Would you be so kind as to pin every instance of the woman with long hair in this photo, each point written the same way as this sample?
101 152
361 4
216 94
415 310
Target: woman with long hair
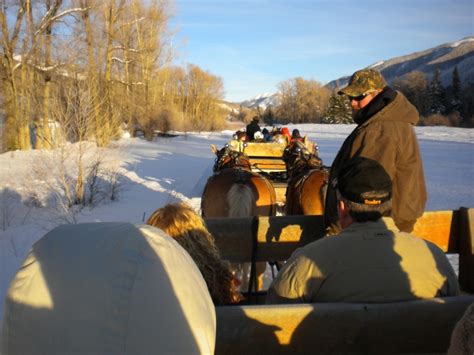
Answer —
183 224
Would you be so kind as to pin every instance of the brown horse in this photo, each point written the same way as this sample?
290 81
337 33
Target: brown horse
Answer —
306 190
246 193
235 191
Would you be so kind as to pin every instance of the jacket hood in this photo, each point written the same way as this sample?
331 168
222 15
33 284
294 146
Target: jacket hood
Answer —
108 288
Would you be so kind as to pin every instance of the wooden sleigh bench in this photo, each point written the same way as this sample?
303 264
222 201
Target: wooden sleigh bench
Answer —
422 326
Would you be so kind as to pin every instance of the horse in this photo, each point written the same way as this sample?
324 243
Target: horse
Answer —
229 157
235 191
308 178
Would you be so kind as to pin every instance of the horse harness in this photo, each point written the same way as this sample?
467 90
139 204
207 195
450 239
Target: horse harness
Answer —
228 158
304 161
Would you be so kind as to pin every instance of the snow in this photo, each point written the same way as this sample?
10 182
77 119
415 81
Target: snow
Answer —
176 169
262 96
464 40
380 62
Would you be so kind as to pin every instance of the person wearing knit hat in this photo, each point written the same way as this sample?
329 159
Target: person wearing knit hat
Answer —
368 261
385 132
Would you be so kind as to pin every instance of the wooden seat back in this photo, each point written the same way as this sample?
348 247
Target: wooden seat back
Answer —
422 326
266 157
275 238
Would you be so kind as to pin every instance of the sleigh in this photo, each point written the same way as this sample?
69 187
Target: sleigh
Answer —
421 326
266 159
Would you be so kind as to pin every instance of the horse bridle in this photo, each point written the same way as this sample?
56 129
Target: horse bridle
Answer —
301 154
228 156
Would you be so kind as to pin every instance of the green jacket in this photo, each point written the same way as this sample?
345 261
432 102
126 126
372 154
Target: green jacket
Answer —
389 138
366 262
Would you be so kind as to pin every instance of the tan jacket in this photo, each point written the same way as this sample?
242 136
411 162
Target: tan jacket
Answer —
389 138
366 262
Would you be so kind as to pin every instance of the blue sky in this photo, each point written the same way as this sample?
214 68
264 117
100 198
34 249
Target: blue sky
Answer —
254 45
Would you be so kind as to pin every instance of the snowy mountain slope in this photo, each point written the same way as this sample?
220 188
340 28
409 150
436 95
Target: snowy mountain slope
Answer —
262 101
445 57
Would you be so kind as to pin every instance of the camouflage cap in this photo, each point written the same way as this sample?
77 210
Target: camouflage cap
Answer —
363 82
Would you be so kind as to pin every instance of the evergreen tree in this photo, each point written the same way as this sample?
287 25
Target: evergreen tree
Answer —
339 110
456 103
414 86
436 94
268 116
467 99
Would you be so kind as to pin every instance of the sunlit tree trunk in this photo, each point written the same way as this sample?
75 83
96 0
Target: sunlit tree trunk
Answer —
44 139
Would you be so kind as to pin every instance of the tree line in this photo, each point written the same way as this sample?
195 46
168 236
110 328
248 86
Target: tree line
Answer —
90 68
75 70
438 105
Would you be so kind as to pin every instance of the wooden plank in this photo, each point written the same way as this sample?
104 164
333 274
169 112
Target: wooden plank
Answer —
268 161
438 227
268 164
278 236
422 326
466 249
233 237
265 149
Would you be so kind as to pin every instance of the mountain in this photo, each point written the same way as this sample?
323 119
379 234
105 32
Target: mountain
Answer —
445 57
262 101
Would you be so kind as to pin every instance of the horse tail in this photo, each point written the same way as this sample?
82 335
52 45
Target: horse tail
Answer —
240 200
324 188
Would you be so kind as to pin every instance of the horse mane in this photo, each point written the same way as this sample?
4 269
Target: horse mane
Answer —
240 200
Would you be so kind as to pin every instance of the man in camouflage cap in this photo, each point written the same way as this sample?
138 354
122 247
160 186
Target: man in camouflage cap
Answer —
385 133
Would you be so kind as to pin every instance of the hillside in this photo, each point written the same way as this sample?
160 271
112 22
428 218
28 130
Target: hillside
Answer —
262 101
445 57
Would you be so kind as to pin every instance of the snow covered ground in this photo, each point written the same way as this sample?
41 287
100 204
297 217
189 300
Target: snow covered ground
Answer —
176 169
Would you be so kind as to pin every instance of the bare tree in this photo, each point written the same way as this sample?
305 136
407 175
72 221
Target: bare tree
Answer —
302 101
21 39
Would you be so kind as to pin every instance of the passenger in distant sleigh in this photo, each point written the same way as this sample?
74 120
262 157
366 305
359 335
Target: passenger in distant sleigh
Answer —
239 139
252 128
281 135
296 136
258 137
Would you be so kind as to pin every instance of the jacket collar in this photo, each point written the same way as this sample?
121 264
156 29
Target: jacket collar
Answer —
357 226
377 104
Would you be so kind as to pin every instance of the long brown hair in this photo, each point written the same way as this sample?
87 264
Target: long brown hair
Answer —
182 223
